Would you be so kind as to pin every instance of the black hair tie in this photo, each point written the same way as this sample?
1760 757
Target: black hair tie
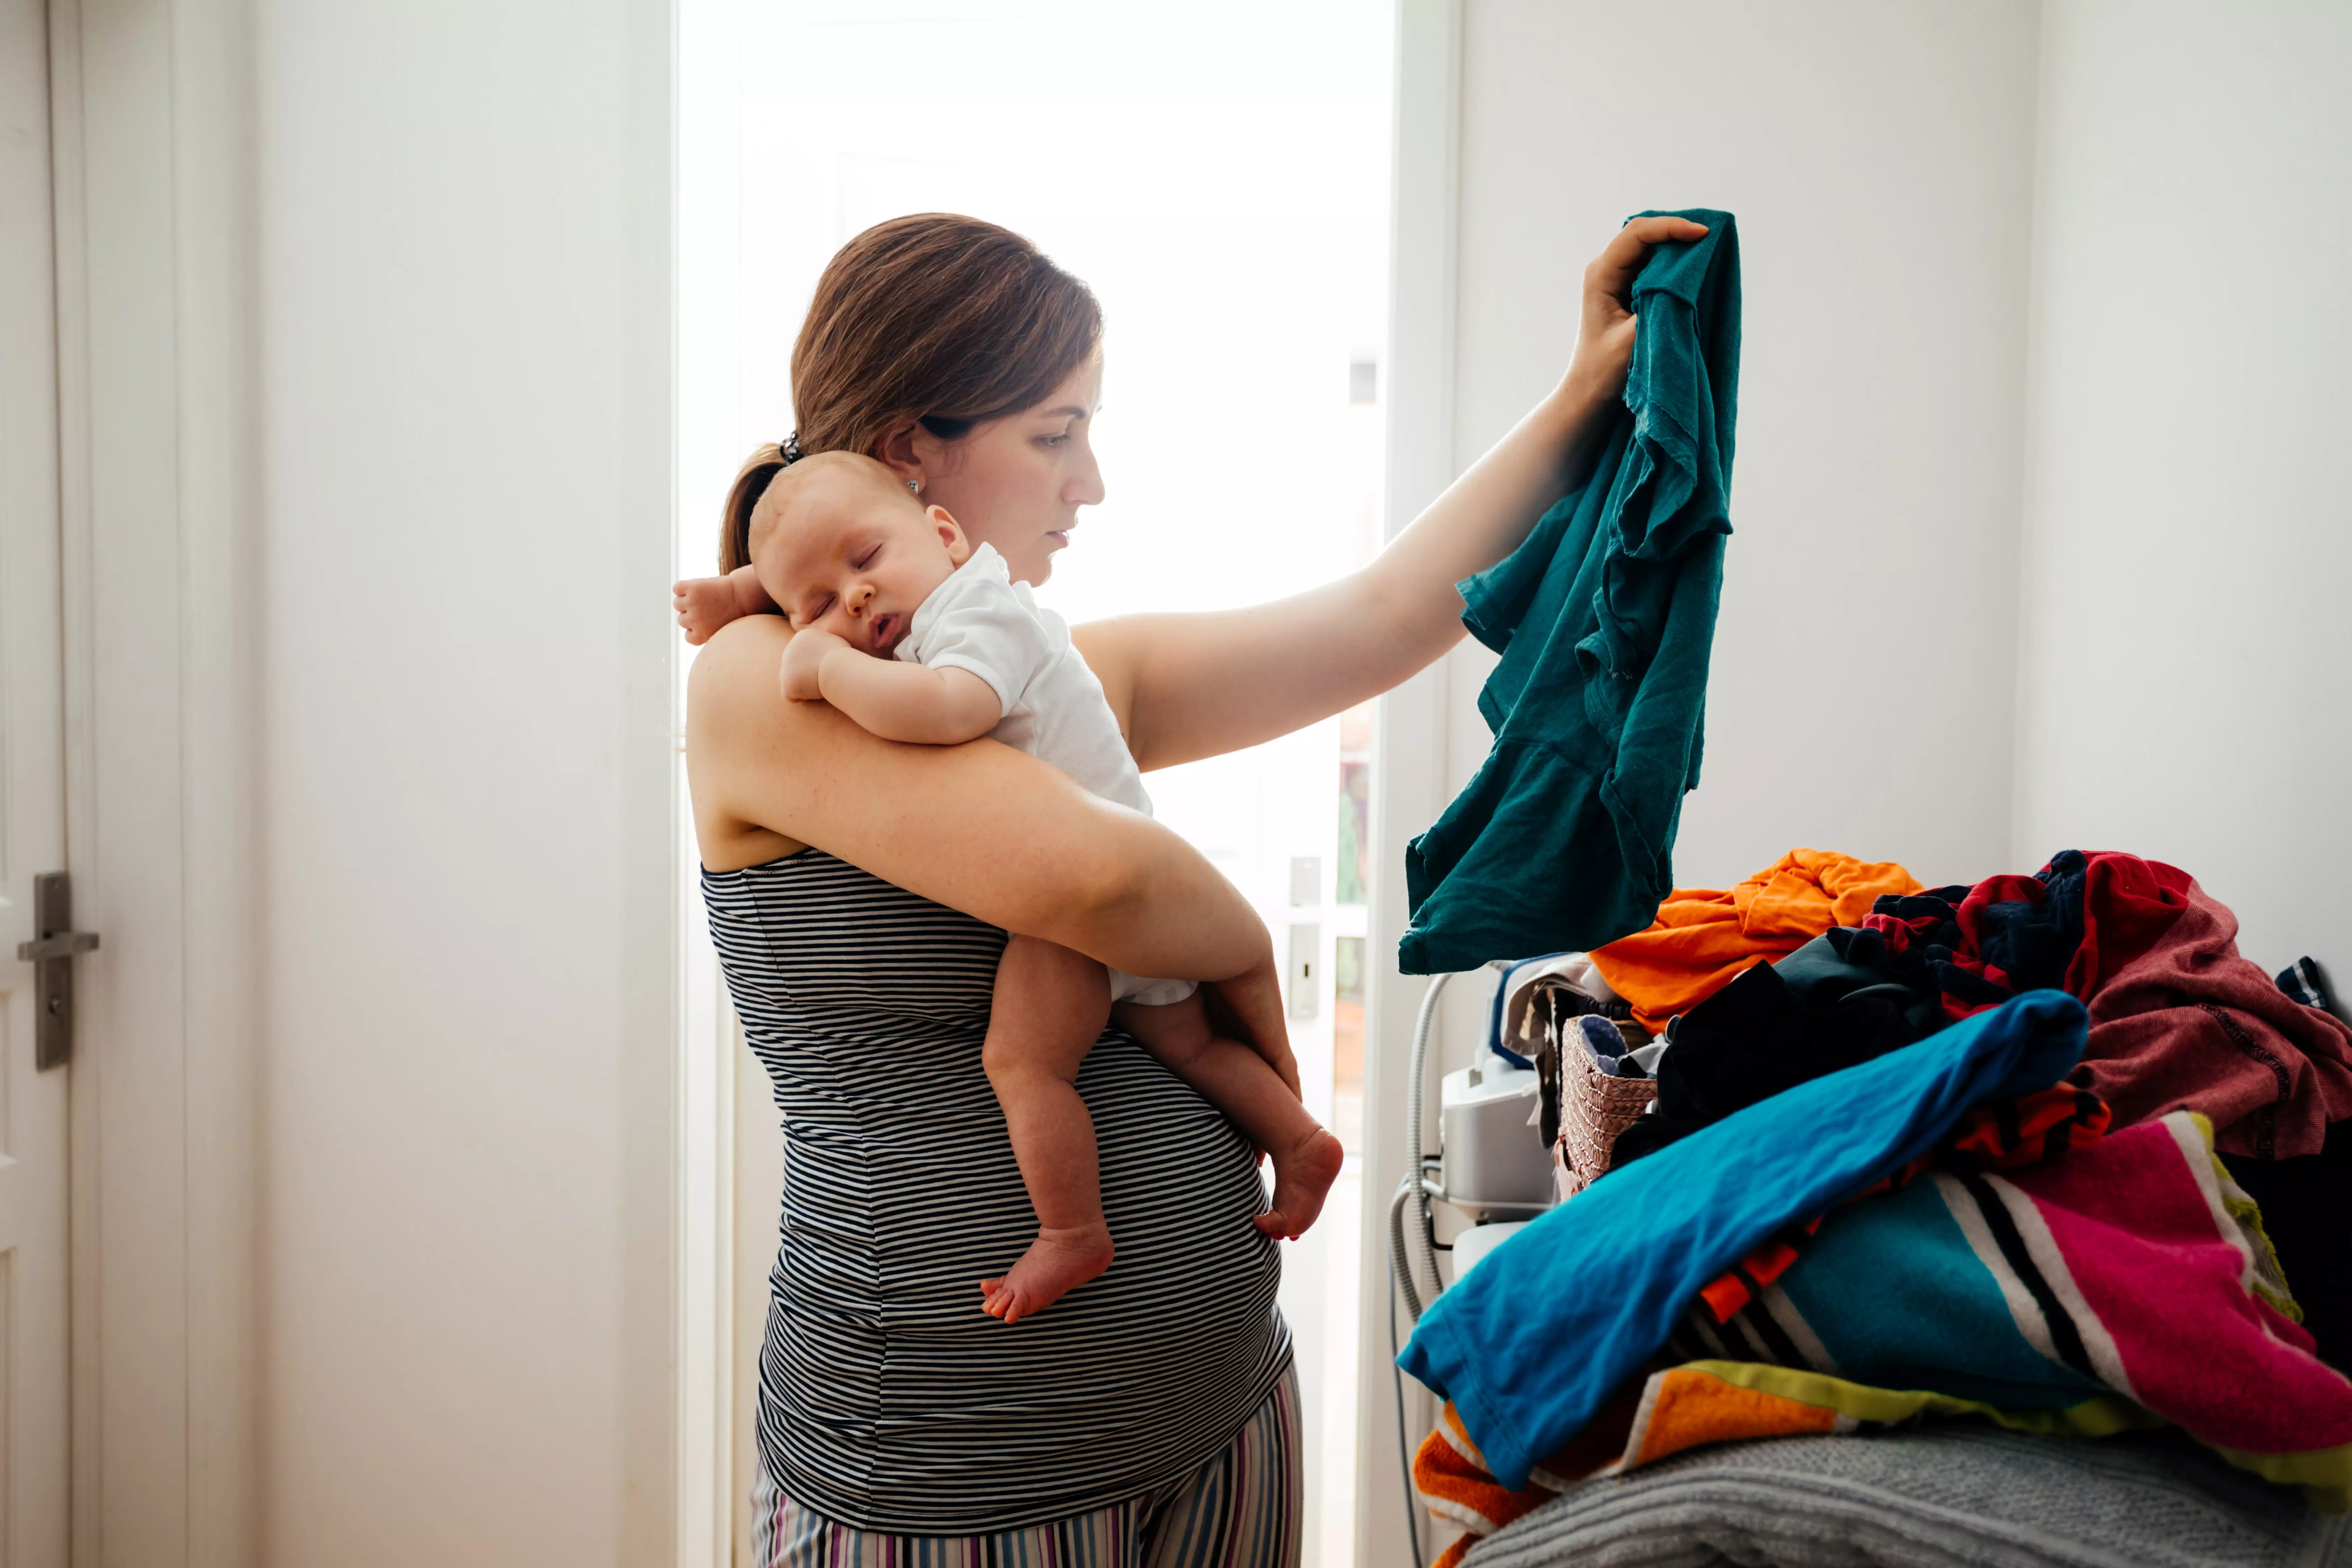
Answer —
789 449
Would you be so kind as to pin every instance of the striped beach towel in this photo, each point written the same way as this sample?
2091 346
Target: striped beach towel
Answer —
2126 1285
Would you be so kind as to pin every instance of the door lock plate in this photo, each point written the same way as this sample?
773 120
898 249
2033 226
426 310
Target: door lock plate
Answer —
51 954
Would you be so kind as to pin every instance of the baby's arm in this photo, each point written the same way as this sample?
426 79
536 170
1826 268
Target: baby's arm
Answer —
705 603
887 697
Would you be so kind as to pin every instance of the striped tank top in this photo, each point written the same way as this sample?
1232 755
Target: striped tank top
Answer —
888 1399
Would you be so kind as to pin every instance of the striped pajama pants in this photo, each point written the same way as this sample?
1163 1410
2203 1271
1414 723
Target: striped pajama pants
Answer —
1241 1510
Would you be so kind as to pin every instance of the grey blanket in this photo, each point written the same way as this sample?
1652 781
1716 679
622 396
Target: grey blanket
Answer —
1956 1497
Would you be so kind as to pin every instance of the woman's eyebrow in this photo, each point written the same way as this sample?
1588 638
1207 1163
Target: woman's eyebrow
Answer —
1068 410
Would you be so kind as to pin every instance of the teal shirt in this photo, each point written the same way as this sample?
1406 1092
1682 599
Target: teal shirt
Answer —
1605 618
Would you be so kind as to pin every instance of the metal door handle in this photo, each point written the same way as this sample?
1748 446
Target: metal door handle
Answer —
52 955
64 944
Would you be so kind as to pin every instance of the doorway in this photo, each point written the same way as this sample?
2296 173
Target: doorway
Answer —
35 1331
1219 174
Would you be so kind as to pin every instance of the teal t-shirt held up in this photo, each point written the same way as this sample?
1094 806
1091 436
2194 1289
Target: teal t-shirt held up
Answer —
1605 618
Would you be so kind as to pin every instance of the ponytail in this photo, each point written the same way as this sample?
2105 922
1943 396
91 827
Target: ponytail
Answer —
751 481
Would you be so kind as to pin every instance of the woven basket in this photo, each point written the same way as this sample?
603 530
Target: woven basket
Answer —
1594 1107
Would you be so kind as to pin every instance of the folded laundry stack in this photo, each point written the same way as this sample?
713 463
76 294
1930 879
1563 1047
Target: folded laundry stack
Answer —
2044 1152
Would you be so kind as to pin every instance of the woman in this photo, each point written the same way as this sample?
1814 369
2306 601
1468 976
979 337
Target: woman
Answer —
859 892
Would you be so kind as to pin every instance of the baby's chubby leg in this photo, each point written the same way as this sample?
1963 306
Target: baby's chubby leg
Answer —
1241 1083
1050 1005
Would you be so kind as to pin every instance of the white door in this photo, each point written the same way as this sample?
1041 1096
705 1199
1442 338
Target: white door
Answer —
33 1325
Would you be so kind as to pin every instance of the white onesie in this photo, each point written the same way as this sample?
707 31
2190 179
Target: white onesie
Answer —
980 619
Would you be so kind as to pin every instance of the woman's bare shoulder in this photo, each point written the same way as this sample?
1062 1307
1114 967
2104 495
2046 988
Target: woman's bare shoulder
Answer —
738 662
742 739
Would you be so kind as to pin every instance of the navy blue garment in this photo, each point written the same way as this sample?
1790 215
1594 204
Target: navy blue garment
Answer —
2032 942
1605 618
2307 983
1533 1342
1777 1025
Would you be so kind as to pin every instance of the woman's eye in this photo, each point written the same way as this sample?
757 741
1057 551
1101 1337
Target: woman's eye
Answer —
1050 440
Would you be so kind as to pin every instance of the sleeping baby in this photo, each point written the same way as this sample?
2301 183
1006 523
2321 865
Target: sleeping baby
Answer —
917 635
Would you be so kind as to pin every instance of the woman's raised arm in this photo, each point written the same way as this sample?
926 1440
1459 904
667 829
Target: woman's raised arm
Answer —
980 827
1191 685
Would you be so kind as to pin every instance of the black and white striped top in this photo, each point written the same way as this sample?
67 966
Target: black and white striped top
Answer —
888 1399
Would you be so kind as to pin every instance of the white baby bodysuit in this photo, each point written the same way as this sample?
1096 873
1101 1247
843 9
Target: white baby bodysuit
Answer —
982 621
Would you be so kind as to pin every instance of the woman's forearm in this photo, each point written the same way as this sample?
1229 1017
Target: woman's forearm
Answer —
1194 686
1057 863
1201 685
1485 515
1162 909
979 828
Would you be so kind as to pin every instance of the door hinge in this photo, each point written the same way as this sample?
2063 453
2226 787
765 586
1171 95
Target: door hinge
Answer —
51 954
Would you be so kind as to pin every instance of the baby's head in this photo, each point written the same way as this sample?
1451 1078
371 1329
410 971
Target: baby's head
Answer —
841 545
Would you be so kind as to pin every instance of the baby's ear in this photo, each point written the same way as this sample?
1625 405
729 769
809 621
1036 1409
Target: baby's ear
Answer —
950 534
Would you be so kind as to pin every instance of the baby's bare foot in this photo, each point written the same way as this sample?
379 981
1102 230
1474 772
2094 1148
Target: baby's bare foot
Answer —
1056 1263
1303 1174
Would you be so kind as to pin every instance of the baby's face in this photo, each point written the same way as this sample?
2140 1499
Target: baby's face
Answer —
850 561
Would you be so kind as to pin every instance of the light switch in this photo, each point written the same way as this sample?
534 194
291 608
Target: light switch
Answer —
1306 985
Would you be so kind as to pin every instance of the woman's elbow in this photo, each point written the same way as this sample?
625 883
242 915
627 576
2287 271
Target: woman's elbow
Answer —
1094 891
1107 891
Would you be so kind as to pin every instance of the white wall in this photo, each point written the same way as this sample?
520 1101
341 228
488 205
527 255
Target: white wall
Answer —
1879 159
2042 394
2154 659
467 943
2187 627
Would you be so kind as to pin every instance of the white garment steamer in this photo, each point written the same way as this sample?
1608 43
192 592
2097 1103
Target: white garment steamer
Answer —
1491 1164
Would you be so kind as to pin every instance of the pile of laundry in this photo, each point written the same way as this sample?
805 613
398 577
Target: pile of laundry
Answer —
1839 1153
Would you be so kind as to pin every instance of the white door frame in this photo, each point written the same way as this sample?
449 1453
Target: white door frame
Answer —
152 137
35 1326
1410 778
156 158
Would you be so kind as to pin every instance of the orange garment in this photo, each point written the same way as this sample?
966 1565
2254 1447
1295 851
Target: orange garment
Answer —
1702 1402
1701 938
1666 1414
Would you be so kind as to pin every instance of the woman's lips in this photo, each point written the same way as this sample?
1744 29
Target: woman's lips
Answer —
1060 536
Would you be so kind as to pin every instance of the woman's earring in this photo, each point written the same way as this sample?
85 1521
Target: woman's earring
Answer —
916 486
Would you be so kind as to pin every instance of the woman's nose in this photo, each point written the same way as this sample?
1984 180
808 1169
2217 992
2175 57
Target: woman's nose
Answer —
1086 485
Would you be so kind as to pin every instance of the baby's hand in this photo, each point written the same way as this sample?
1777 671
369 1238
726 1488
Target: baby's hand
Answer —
805 655
705 604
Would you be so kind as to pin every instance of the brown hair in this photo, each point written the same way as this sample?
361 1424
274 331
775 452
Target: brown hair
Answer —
878 481
932 319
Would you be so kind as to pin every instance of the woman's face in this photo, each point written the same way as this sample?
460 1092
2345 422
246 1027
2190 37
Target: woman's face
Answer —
1017 482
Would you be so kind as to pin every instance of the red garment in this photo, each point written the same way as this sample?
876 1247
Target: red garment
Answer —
2091 913
2188 1024
2128 904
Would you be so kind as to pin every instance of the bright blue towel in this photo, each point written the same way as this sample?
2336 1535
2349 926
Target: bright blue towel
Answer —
1538 1338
